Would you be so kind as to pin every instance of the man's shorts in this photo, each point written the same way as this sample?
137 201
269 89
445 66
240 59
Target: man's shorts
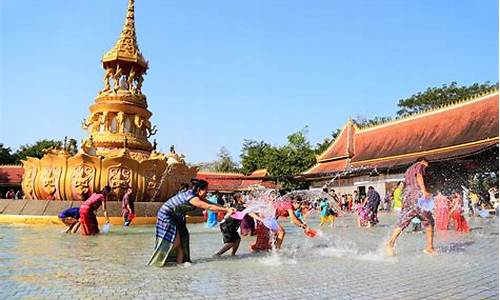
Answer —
407 214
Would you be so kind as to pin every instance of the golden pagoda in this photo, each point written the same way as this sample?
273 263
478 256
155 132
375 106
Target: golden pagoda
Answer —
116 151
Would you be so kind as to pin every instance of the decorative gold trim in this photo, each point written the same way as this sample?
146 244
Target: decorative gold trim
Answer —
333 158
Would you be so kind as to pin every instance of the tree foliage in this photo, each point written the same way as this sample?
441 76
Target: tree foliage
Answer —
435 97
225 162
36 150
255 155
293 158
361 121
321 147
6 157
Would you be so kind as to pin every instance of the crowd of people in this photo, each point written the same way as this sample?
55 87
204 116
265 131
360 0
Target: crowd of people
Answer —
11 194
411 200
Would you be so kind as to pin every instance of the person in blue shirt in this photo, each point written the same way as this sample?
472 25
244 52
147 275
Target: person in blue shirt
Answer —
71 218
325 213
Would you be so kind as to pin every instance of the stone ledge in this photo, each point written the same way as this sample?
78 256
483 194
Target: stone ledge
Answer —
48 208
54 220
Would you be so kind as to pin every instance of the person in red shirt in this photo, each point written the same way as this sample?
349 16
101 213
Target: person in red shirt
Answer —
287 209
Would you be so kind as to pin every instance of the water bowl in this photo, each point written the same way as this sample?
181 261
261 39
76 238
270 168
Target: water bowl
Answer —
426 204
239 215
271 223
311 233
105 228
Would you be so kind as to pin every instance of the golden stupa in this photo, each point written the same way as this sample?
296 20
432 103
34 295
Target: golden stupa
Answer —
116 151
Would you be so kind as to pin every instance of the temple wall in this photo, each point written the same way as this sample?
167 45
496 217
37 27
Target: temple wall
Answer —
381 183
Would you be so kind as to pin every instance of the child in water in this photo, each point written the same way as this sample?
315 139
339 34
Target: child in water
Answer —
71 218
263 240
229 228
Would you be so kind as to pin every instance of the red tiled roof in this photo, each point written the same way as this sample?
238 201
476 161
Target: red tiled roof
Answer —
336 166
235 181
456 130
11 175
342 146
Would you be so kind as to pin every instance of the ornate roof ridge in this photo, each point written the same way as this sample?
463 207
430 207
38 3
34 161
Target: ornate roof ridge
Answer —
220 173
332 143
451 105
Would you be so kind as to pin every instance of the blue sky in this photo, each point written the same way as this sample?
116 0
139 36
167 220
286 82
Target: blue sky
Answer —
222 71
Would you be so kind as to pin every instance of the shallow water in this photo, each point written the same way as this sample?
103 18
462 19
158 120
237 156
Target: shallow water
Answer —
342 262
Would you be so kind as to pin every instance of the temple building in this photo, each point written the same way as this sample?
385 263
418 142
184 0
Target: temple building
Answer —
457 139
229 183
116 151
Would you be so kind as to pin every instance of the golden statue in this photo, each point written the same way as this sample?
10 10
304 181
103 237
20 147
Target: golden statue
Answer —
118 116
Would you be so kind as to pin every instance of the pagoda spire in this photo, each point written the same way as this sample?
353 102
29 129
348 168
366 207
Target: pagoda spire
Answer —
120 114
126 48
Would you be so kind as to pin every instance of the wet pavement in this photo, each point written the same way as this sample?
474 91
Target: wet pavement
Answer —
344 262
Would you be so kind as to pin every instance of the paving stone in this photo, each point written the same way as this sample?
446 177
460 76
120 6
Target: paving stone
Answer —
343 263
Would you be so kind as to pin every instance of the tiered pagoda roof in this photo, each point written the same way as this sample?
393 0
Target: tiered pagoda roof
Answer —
455 130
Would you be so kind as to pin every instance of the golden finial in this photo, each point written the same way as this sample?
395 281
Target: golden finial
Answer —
126 48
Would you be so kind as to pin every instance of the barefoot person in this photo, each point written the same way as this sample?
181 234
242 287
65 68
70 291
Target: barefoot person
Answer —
88 218
415 189
229 228
172 236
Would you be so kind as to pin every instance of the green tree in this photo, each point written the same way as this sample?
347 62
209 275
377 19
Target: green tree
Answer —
210 166
6 157
321 147
292 159
437 96
225 162
36 150
255 155
283 162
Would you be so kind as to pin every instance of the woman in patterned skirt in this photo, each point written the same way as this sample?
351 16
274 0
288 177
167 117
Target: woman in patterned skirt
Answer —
172 236
442 211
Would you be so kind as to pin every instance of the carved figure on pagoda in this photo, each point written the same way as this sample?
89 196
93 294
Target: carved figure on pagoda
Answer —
131 79
49 181
92 122
120 178
120 119
80 181
116 78
108 74
139 80
104 121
